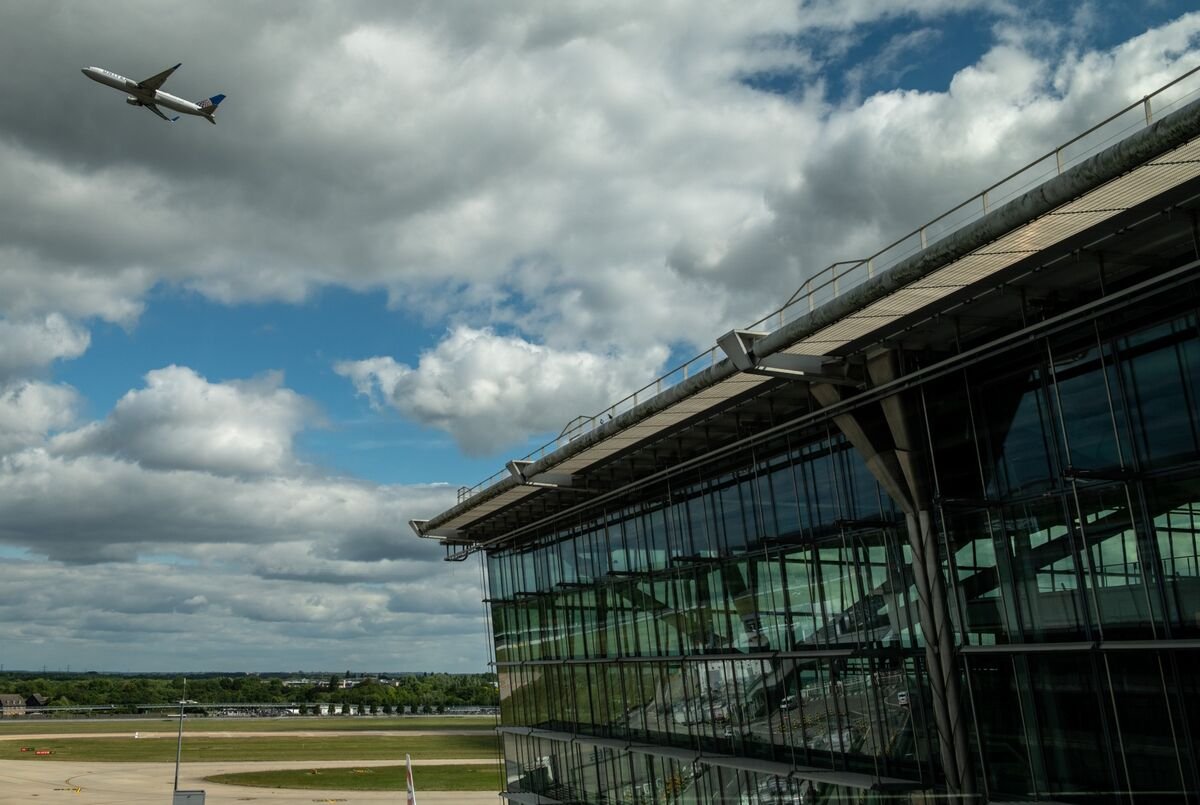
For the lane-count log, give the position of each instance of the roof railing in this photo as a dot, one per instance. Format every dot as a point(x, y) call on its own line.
point(840, 277)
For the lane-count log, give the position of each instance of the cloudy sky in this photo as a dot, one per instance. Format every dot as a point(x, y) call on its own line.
point(236, 359)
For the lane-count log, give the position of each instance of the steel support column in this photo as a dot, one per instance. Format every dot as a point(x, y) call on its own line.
point(894, 456)
point(940, 655)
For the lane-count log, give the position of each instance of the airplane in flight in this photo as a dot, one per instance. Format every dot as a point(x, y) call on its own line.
point(147, 93)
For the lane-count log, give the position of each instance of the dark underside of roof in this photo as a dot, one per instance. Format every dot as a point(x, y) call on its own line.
point(1105, 262)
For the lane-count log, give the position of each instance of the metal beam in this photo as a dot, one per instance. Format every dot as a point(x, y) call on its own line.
point(738, 346)
point(519, 470)
point(895, 458)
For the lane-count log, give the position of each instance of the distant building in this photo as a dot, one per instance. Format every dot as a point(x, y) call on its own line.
point(12, 704)
point(343, 683)
point(306, 683)
point(36, 700)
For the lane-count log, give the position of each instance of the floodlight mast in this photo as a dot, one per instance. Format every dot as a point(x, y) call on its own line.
point(179, 741)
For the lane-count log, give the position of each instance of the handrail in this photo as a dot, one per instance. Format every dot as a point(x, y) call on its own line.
point(837, 278)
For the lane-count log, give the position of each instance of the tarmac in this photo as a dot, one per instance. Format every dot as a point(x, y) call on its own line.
point(48, 736)
point(31, 781)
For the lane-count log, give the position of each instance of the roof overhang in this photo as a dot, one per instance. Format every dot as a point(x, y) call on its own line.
point(822, 345)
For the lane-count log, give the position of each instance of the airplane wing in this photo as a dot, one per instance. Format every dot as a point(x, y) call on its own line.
point(155, 81)
point(154, 109)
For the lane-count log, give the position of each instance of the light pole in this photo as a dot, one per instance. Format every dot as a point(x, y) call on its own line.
point(179, 741)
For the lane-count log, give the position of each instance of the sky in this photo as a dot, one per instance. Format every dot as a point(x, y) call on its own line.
point(235, 360)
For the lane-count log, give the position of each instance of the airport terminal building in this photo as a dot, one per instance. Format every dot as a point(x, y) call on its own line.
point(930, 532)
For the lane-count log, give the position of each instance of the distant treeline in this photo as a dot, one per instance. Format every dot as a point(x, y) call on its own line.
point(424, 692)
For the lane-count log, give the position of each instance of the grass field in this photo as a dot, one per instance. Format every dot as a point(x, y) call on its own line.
point(200, 749)
point(290, 724)
point(374, 778)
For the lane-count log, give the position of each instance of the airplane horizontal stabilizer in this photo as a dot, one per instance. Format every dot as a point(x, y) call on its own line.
point(155, 110)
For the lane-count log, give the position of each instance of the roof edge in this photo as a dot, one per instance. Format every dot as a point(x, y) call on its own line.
point(1165, 134)
point(1137, 149)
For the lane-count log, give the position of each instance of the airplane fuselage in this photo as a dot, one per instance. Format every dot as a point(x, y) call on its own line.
point(140, 96)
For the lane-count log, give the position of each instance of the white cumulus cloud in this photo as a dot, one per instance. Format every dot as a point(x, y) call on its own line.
point(30, 410)
point(180, 420)
point(490, 391)
point(28, 345)
point(573, 189)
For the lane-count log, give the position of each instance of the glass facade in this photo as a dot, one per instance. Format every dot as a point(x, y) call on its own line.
point(747, 629)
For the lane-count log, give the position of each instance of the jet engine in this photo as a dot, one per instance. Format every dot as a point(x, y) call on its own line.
point(133, 101)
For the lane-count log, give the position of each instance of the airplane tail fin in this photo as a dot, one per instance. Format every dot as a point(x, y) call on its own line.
point(208, 107)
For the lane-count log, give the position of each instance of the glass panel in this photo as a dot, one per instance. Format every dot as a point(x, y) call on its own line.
point(657, 537)
point(1174, 508)
point(1045, 573)
point(1073, 728)
point(808, 616)
point(815, 477)
point(1116, 577)
point(1161, 370)
point(1151, 755)
point(1000, 698)
point(1083, 377)
point(860, 497)
point(581, 683)
point(769, 631)
point(1184, 685)
point(786, 508)
point(952, 438)
point(1018, 434)
point(737, 513)
point(505, 632)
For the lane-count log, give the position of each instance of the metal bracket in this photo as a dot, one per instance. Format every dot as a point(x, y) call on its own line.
point(867, 524)
point(457, 556)
point(963, 504)
point(453, 534)
point(1113, 474)
point(517, 469)
point(738, 346)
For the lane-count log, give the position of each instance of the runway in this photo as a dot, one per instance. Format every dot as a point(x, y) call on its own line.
point(92, 783)
point(187, 733)
point(24, 781)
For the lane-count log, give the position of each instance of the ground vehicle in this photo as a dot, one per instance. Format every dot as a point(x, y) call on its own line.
point(902, 698)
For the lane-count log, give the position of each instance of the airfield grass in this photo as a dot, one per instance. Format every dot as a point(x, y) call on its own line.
point(473, 777)
point(289, 724)
point(205, 749)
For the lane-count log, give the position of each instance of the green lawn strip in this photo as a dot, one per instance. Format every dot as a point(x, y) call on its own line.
point(199, 750)
point(200, 724)
point(373, 778)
